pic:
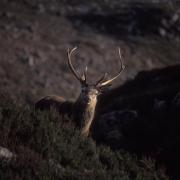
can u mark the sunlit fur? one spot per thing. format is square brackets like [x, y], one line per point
[84, 108]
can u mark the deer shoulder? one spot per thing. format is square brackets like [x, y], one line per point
[57, 103]
[82, 110]
[46, 102]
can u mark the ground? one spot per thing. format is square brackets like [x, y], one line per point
[34, 38]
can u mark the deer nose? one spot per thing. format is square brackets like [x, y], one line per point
[88, 98]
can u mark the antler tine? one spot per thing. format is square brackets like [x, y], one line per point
[84, 76]
[69, 52]
[121, 69]
[85, 73]
[101, 79]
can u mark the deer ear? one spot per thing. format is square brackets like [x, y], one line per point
[104, 89]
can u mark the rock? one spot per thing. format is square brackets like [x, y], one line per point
[162, 32]
[175, 18]
[41, 8]
[5, 153]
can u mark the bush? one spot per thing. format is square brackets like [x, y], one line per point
[47, 148]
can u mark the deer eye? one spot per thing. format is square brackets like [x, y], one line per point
[84, 90]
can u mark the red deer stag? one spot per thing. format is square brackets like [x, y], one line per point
[82, 111]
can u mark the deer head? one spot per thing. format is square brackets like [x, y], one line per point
[87, 100]
[92, 90]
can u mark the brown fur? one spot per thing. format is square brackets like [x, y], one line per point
[81, 111]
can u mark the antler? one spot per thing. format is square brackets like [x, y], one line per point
[101, 79]
[82, 78]
[100, 83]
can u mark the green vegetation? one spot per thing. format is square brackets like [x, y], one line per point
[46, 148]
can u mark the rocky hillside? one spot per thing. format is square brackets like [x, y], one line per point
[35, 35]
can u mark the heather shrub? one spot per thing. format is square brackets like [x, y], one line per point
[46, 146]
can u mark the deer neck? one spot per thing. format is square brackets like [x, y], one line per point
[84, 114]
